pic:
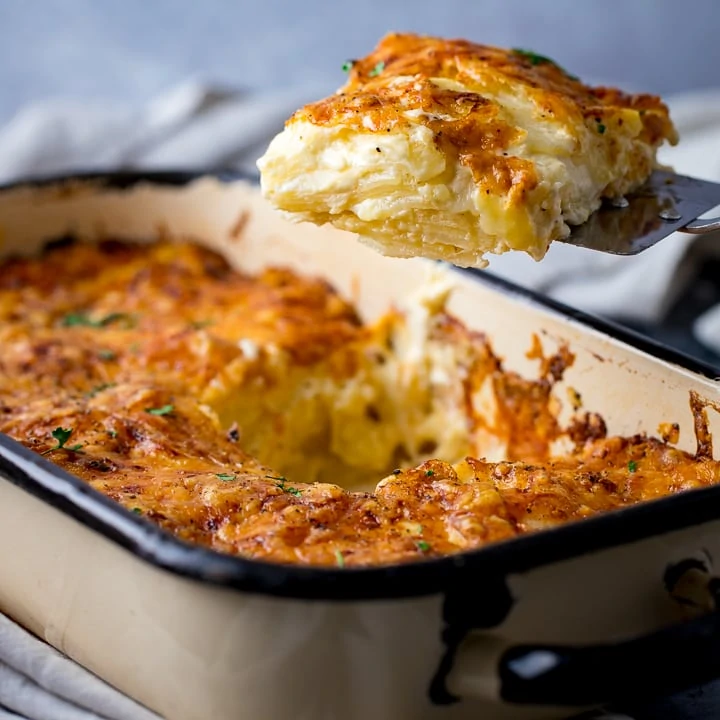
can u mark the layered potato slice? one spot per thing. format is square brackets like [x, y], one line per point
[451, 150]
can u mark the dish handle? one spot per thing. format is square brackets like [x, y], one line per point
[666, 661]
[670, 659]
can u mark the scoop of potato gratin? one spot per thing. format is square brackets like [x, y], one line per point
[451, 150]
[258, 415]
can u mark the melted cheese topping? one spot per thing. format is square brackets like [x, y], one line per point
[251, 413]
[451, 150]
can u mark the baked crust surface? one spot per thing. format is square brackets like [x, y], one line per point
[258, 415]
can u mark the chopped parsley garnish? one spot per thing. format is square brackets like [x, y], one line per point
[536, 59]
[112, 433]
[281, 483]
[533, 57]
[73, 319]
[422, 545]
[347, 66]
[164, 410]
[200, 324]
[226, 477]
[601, 128]
[137, 511]
[632, 466]
[339, 559]
[61, 436]
[98, 389]
[107, 354]
[81, 319]
[429, 473]
[377, 69]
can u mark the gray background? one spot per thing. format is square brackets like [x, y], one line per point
[129, 50]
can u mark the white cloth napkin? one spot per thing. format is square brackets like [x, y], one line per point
[39, 683]
[201, 126]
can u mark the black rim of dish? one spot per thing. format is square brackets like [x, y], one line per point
[428, 576]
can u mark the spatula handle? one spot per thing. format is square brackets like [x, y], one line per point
[702, 227]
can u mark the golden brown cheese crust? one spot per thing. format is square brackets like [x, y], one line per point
[472, 124]
[168, 318]
[450, 150]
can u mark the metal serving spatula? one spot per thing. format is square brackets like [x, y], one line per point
[665, 204]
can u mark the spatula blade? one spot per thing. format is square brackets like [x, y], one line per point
[665, 204]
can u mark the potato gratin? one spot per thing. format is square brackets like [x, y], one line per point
[450, 150]
[259, 416]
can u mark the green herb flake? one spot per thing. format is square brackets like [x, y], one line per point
[601, 128]
[225, 477]
[200, 324]
[347, 66]
[61, 435]
[339, 559]
[78, 319]
[632, 466]
[377, 69]
[72, 319]
[282, 484]
[429, 473]
[84, 320]
[423, 546]
[536, 59]
[112, 433]
[126, 320]
[164, 410]
[98, 389]
[137, 511]
[107, 354]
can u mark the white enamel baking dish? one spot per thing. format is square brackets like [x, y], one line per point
[541, 626]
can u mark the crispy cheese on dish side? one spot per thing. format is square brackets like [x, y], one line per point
[450, 150]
